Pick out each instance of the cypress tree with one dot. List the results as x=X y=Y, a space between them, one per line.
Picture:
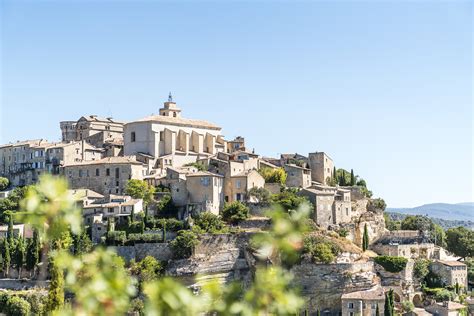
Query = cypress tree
x=164 y=230
x=20 y=255
x=365 y=238
x=56 y=288
x=377 y=311
x=352 y=178
x=388 y=308
x=10 y=230
x=6 y=257
x=334 y=173
x=33 y=252
x=318 y=313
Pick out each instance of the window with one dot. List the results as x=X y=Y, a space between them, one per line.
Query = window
x=162 y=135
x=350 y=305
x=111 y=209
x=238 y=197
x=117 y=173
x=238 y=184
x=174 y=114
x=205 y=181
x=80 y=173
x=117 y=183
x=107 y=172
x=132 y=137
x=351 y=313
x=97 y=172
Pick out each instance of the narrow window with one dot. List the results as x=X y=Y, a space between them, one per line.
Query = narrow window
x=97 y=172
x=107 y=172
x=117 y=173
x=132 y=137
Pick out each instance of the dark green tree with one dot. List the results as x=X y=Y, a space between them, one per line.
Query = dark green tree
x=377 y=311
x=389 y=308
x=56 y=288
x=20 y=255
x=334 y=173
x=353 y=181
x=10 y=230
x=33 y=253
x=6 y=257
x=365 y=238
x=318 y=313
x=460 y=241
x=82 y=243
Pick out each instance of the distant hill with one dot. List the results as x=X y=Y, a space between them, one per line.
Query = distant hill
x=445 y=223
x=459 y=211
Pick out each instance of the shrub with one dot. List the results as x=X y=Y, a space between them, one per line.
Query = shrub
x=3 y=300
x=37 y=302
x=442 y=295
x=289 y=200
x=17 y=306
x=377 y=204
x=4 y=183
x=198 y=165
x=277 y=175
x=137 y=305
x=421 y=268
x=146 y=270
x=235 y=212
x=144 y=238
x=407 y=306
x=183 y=245
x=343 y=232
x=209 y=222
x=391 y=264
x=262 y=195
x=320 y=250
x=116 y=238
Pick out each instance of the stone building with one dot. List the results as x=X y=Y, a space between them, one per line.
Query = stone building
x=93 y=129
x=332 y=206
x=106 y=176
x=205 y=192
x=404 y=243
x=240 y=185
x=60 y=154
x=237 y=143
x=446 y=309
x=22 y=230
x=363 y=302
x=23 y=162
x=172 y=140
x=451 y=272
x=322 y=167
x=297 y=177
x=116 y=206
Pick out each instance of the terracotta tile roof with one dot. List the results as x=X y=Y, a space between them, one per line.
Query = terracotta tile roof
x=452 y=263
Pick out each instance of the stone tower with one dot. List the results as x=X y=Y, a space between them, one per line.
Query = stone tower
x=170 y=109
x=321 y=166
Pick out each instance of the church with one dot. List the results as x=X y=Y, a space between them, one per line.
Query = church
x=169 y=140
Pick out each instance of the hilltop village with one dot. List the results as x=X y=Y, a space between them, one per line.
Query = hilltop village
x=174 y=189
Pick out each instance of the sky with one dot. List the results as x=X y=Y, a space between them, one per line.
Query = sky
x=385 y=88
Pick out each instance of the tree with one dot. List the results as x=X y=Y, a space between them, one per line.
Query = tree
x=209 y=222
x=365 y=238
x=6 y=256
x=183 y=245
x=4 y=183
x=318 y=313
x=377 y=310
x=262 y=195
x=334 y=173
x=352 y=177
x=20 y=255
x=56 y=288
x=82 y=243
x=275 y=175
x=289 y=200
x=389 y=307
x=139 y=189
x=10 y=230
x=17 y=306
x=235 y=212
x=33 y=252
x=421 y=268
x=460 y=241
x=426 y=226
x=146 y=270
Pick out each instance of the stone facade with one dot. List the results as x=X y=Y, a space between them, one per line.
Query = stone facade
x=105 y=176
x=205 y=192
x=172 y=140
x=241 y=183
x=363 y=303
x=298 y=177
x=451 y=272
x=322 y=167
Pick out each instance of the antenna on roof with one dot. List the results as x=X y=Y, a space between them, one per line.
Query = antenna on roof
x=170 y=97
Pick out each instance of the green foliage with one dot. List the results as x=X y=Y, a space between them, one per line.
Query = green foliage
x=365 y=239
x=4 y=183
x=99 y=281
x=389 y=304
x=183 y=245
x=470 y=269
x=421 y=268
x=442 y=295
x=82 y=243
x=56 y=287
x=116 y=238
x=289 y=200
x=198 y=165
x=426 y=225
x=143 y=238
x=6 y=256
x=408 y=306
x=146 y=270
x=33 y=251
x=343 y=232
x=166 y=207
x=391 y=224
x=432 y=280
x=139 y=189
x=273 y=175
x=377 y=310
x=353 y=179
x=262 y=195
x=460 y=241
x=17 y=306
x=11 y=203
x=137 y=306
x=378 y=204
x=235 y=212
x=320 y=249
x=209 y=222
x=391 y=263
x=20 y=254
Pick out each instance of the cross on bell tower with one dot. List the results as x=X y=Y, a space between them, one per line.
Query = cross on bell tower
x=170 y=97
x=170 y=109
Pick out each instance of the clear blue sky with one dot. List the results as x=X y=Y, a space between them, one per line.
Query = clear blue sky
x=383 y=87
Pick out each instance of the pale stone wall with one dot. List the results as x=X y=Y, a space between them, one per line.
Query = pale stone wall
x=297 y=177
x=321 y=166
x=208 y=193
x=450 y=275
x=160 y=251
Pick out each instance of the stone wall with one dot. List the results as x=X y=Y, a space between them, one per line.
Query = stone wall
x=322 y=285
x=160 y=251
